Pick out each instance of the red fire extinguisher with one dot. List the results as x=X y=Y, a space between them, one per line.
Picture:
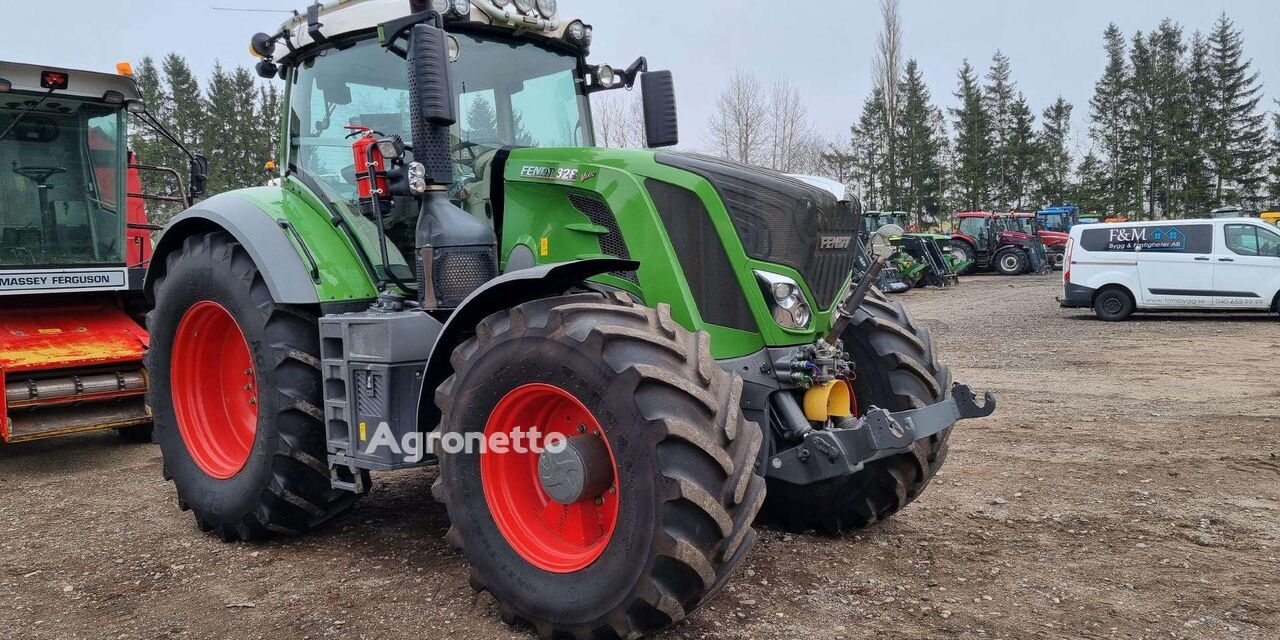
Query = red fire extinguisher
x=370 y=165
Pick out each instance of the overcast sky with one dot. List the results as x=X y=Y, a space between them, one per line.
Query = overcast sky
x=824 y=47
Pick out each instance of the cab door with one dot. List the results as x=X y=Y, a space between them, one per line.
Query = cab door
x=1175 y=264
x=1246 y=266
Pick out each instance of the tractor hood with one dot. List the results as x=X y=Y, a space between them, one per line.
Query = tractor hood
x=784 y=220
x=1053 y=237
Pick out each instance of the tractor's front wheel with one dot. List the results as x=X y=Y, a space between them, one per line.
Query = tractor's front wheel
x=962 y=253
x=896 y=370
x=236 y=391
x=1012 y=262
x=646 y=508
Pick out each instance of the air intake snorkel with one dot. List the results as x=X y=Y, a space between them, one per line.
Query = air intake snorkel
x=456 y=253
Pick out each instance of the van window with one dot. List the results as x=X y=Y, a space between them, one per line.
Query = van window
x=1249 y=240
x=1174 y=238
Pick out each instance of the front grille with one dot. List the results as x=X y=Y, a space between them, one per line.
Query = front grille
x=782 y=220
x=612 y=243
x=457 y=271
x=706 y=266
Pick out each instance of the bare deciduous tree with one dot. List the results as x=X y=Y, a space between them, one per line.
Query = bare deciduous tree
x=619 y=119
x=887 y=70
x=793 y=148
x=739 y=127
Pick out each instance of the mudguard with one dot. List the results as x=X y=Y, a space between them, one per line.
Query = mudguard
x=301 y=255
x=503 y=292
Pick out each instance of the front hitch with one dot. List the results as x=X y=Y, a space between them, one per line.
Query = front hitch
x=829 y=453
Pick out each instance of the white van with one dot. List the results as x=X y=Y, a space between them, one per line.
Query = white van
x=1221 y=264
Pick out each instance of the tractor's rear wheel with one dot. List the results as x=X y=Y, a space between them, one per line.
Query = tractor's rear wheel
x=649 y=512
x=236 y=391
x=896 y=370
x=962 y=253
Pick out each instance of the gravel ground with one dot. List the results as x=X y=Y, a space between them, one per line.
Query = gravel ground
x=1128 y=487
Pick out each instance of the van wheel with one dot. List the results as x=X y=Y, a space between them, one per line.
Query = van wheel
x=1113 y=305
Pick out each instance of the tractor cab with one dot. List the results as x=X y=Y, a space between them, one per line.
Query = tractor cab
x=74 y=245
x=1059 y=219
x=996 y=241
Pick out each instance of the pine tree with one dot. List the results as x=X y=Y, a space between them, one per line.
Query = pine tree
x=870 y=147
x=1092 y=191
x=1197 y=190
x=1054 y=169
x=150 y=147
x=1111 y=126
x=920 y=146
x=1020 y=155
x=481 y=122
x=189 y=111
x=219 y=127
x=972 y=124
x=998 y=98
x=1274 y=183
x=268 y=114
x=1236 y=145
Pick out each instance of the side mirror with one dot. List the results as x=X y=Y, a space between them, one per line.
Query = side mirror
x=199 y=177
x=431 y=109
x=661 y=126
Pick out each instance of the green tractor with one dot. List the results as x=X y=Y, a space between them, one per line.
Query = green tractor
x=922 y=259
x=612 y=356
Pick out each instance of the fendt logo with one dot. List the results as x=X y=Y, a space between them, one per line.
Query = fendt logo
x=826 y=243
x=549 y=173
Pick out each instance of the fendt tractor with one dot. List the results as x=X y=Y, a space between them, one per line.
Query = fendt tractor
x=988 y=241
x=74 y=244
x=447 y=253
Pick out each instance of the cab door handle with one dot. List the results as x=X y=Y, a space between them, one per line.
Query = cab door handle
x=1202 y=259
x=1226 y=259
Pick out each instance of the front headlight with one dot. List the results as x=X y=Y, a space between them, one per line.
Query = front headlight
x=786 y=300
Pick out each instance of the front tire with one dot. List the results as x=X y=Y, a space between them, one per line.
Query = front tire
x=896 y=370
x=1012 y=262
x=677 y=517
x=236 y=391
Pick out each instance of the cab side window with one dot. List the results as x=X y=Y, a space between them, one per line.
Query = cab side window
x=1249 y=240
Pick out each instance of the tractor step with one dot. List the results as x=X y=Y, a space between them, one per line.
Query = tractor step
x=50 y=422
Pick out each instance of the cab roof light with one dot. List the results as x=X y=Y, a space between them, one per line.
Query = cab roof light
x=5 y=86
x=125 y=69
x=113 y=97
x=54 y=80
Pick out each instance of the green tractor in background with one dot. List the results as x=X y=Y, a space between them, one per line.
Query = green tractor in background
x=921 y=258
x=448 y=255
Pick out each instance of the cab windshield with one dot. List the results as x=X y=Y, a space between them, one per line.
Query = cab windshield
x=62 y=183
x=507 y=92
x=1052 y=221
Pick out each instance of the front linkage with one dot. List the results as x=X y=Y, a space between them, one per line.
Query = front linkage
x=851 y=442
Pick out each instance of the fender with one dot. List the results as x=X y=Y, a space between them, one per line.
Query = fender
x=271 y=224
x=503 y=292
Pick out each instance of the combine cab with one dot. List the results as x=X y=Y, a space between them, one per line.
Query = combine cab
x=74 y=245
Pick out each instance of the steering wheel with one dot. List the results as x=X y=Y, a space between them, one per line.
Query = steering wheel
x=38 y=175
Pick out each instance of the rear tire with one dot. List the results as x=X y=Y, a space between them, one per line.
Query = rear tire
x=282 y=484
x=1011 y=262
x=683 y=453
x=1113 y=305
x=896 y=370
x=962 y=252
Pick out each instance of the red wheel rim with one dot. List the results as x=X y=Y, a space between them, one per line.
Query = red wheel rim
x=214 y=390
x=551 y=536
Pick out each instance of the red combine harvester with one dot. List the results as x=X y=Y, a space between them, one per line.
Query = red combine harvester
x=74 y=246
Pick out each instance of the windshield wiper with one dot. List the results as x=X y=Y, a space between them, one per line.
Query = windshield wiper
x=24 y=113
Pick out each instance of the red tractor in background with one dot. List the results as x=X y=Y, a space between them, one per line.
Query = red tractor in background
x=1055 y=242
x=74 y=246
x=991 y=242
